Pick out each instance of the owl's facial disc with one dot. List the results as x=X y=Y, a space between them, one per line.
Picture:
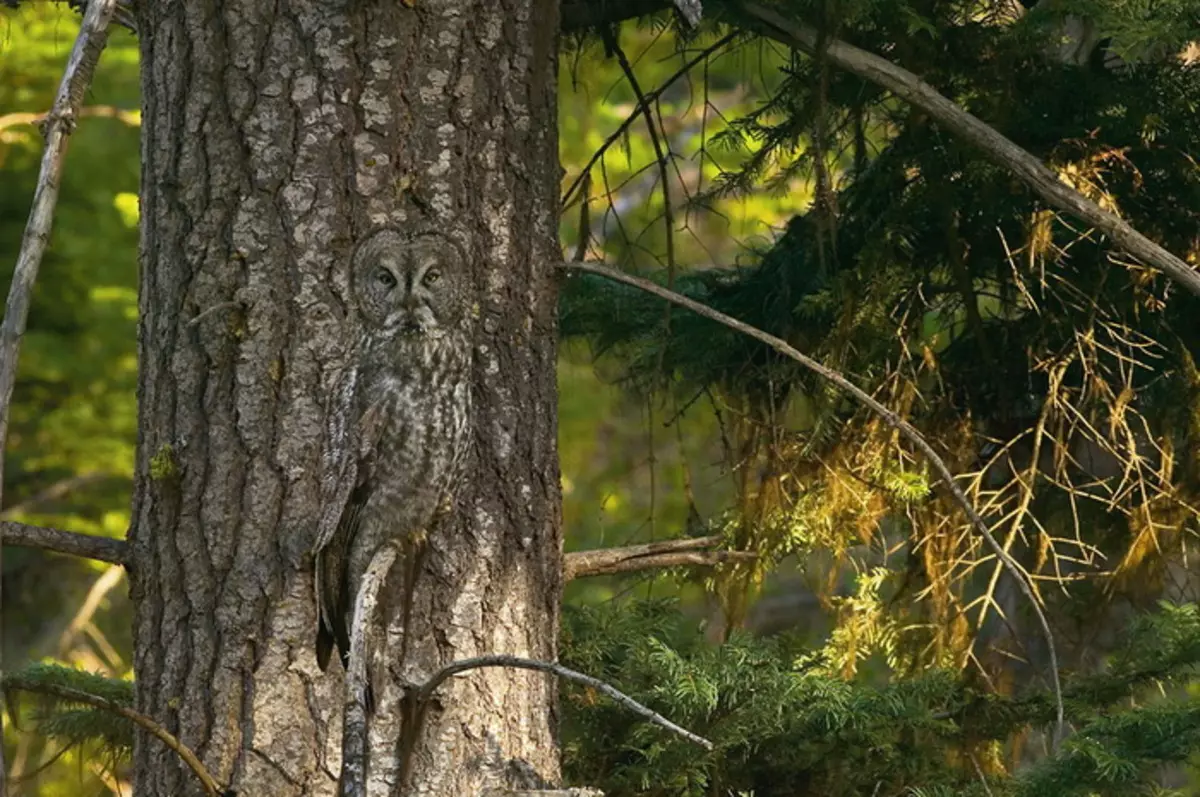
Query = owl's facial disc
x=416 y=299
x=409 y=288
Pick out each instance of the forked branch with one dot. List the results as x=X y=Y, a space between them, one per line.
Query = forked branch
x=892 y=419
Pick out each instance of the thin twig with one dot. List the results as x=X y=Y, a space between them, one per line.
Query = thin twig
x=88 y=546
x=650 y=556
x=996 y=147
x=141 y=720
x=982 y=778
x=1023 y=580
x=664 y=174
x=651 y=97
x=425 y=692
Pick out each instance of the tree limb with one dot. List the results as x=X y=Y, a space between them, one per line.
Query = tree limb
x=211 y=786
x=425 y=692
x=1024 y=582
x=996 y=147
x=650 y=556
x=89 y=546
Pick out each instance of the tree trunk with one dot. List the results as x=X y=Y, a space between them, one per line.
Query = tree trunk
x=275 y=135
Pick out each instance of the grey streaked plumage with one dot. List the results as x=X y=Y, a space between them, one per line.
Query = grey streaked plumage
x=398 y=427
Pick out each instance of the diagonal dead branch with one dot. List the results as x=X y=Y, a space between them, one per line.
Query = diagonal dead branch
x=995 y=147
x=1024 y=582
x=650 y=556
x=425 y=692
x=211 y=787
x=60 y=122
x=88 y=546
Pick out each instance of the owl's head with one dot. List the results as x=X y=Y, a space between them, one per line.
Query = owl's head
x=409 y=287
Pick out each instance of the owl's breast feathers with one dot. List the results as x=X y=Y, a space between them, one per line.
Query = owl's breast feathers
x=410 y=413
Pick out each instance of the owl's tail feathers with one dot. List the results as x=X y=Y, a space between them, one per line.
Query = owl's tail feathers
x=324 y=646
x=328 y=635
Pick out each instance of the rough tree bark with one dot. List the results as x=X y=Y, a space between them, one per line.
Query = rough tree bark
x=275 y=134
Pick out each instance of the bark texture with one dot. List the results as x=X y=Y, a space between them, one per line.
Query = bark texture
x=275 y=135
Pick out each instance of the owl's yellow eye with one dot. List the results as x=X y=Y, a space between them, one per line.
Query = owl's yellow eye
x=385 y=278
x=432 y=276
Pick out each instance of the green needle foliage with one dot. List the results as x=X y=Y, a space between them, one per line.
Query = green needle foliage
x=784 y=724
x=43 y=698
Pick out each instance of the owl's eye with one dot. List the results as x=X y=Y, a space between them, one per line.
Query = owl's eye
x=432 y=276
x=385 y=278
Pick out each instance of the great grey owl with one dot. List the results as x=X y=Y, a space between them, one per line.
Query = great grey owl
x=398 y=427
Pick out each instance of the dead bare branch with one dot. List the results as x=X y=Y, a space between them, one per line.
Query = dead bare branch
x=995 y=147
x=1024 y=582
x=88 y=546
x=650 y=556
x=450 y=670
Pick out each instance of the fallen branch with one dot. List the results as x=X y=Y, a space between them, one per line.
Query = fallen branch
x=650 y=556
x=425 y=692
x=995 y=146
x=1023 y=580
x=88 y=546
x=137 y=718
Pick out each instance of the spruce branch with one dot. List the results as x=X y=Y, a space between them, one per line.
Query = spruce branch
x=1024 y=581
x=110 y=696
x=995 y=146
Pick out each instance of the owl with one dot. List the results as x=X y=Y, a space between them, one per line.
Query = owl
x=398 y=424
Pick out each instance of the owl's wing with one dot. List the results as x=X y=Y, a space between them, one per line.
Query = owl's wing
x=335 y=524
x=349 y=453
x=339 y=458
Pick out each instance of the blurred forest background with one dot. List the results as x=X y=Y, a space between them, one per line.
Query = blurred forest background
x=873 y=647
